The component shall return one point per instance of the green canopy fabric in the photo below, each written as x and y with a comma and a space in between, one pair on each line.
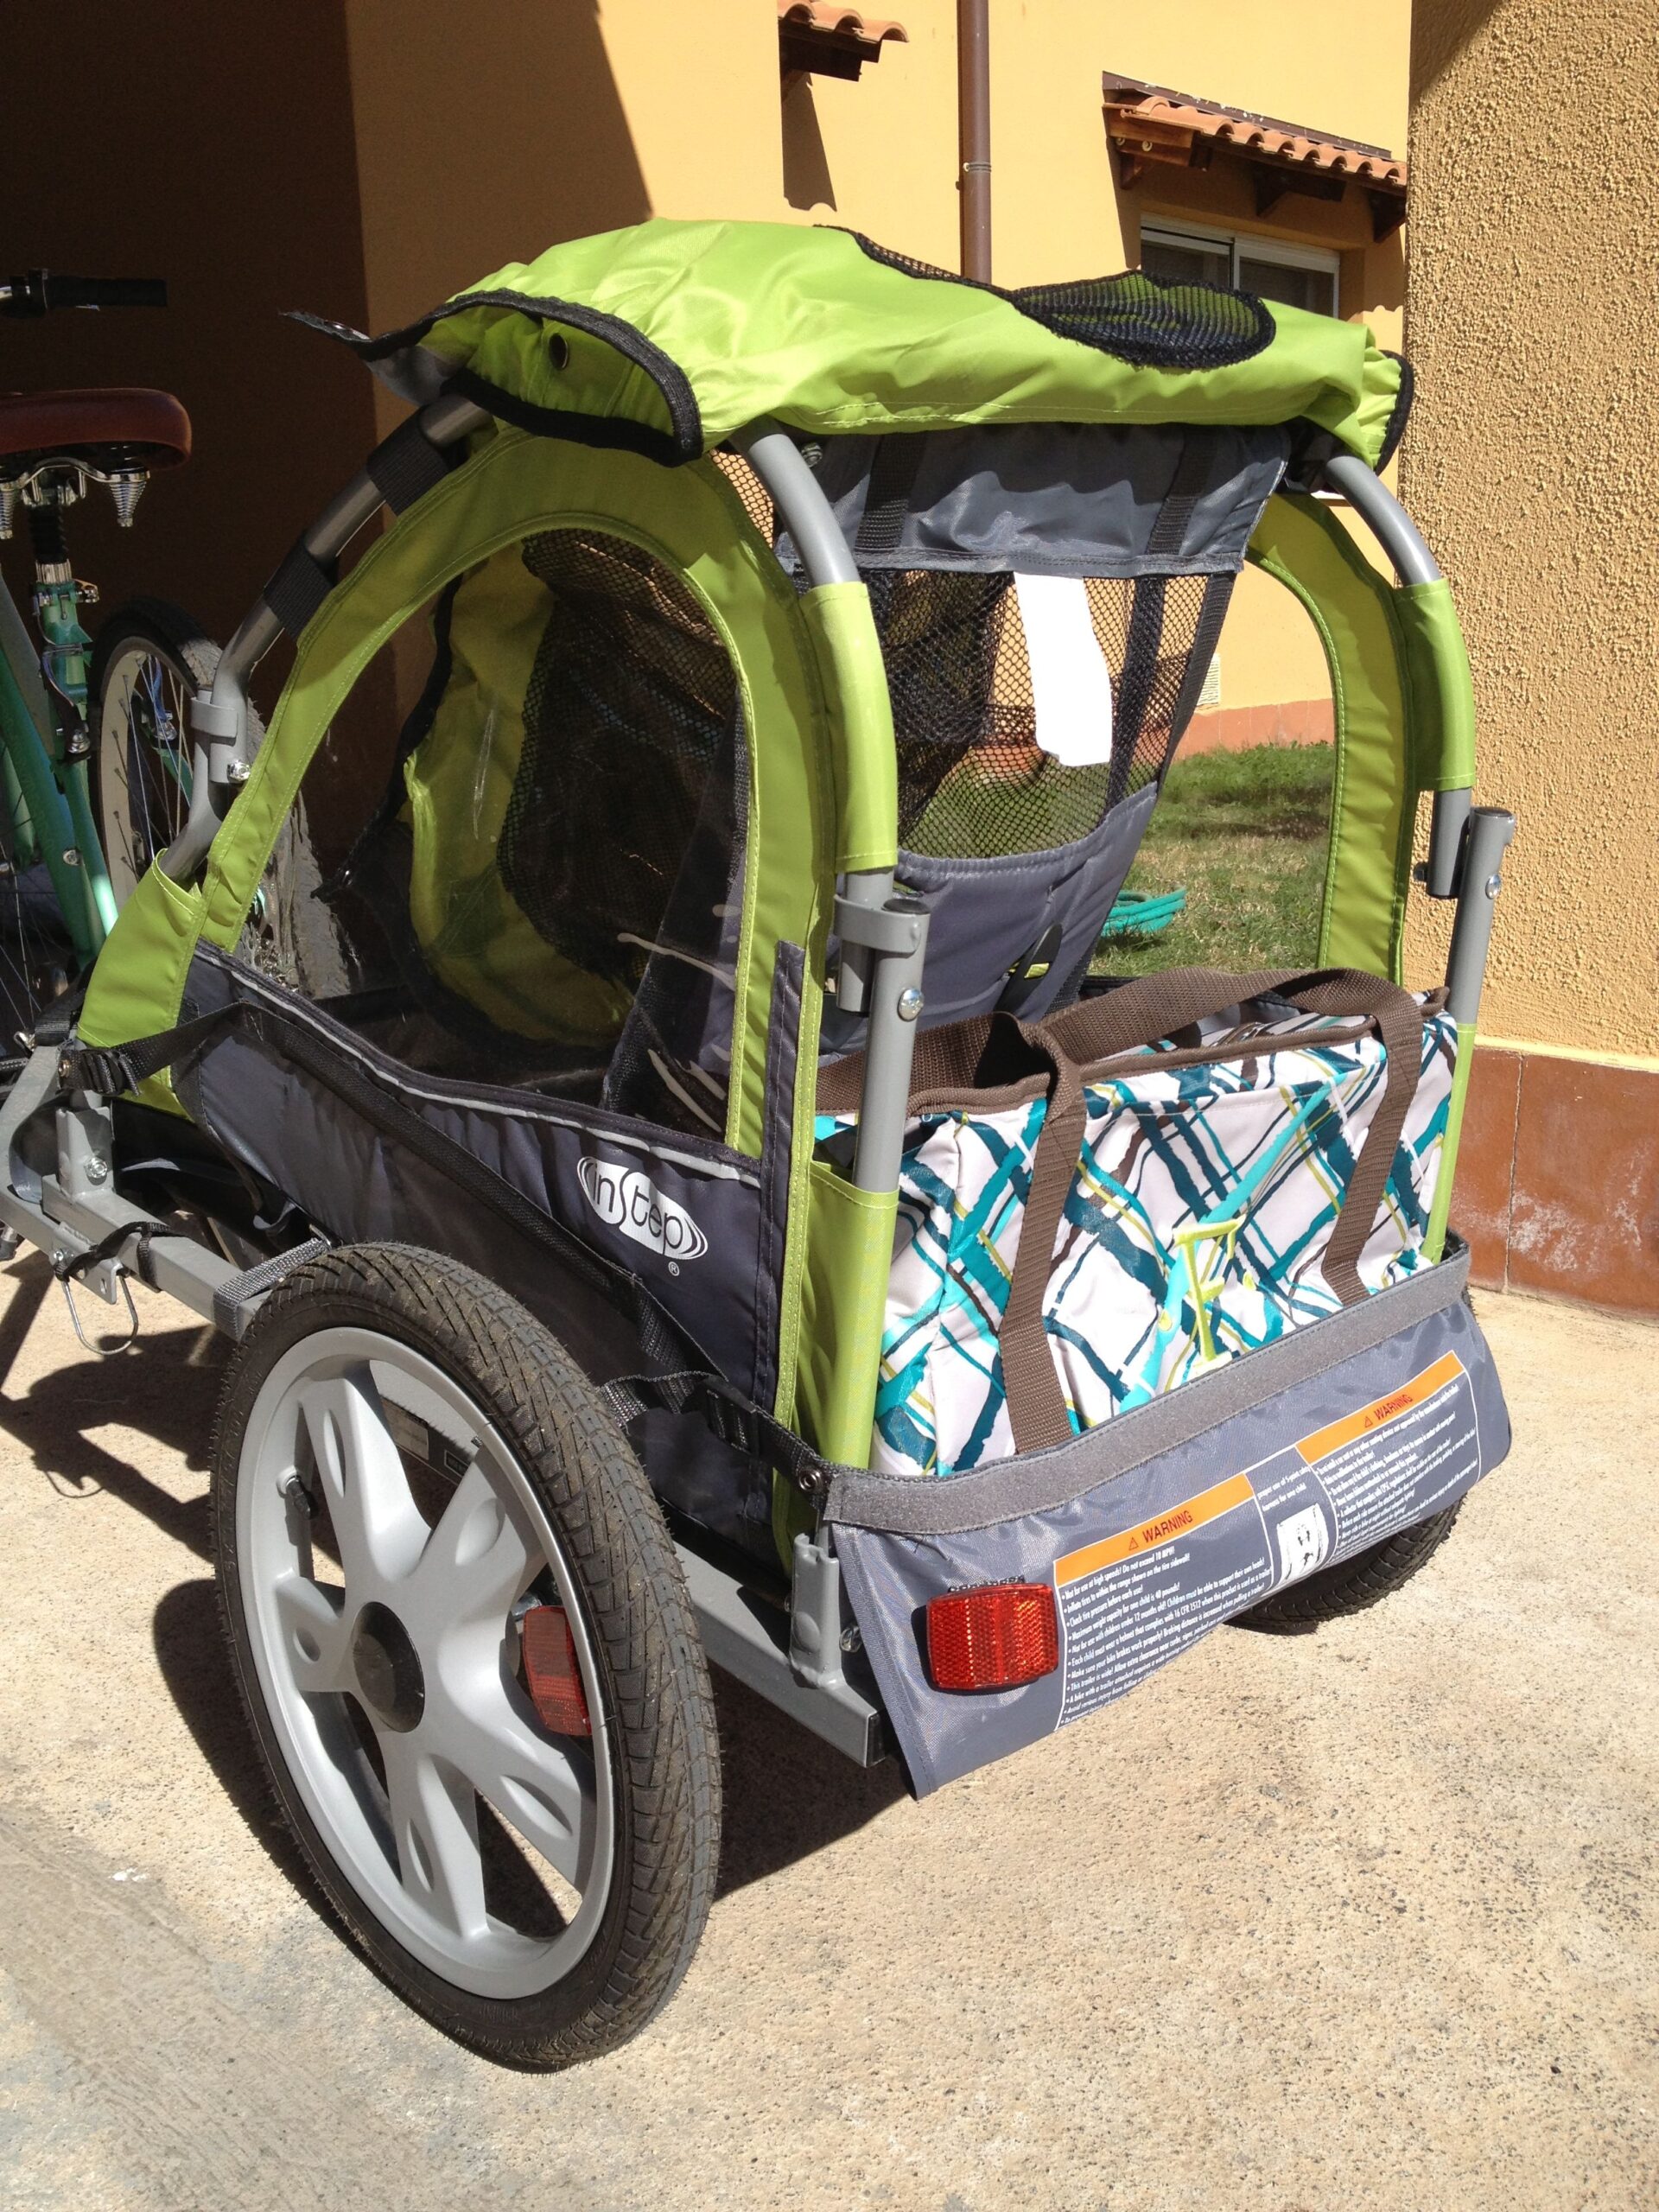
670, 336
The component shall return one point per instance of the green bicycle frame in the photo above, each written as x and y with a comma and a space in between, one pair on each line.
45, 792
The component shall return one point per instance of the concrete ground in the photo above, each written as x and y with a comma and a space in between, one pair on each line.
1364, 1918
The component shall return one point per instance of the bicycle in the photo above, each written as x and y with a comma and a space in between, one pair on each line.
94, 761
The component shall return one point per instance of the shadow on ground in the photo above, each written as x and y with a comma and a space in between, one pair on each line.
166, 1386
786, 1794
190, 1653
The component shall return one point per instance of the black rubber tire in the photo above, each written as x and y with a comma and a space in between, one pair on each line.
1352, 1584
662, 1741
173, 637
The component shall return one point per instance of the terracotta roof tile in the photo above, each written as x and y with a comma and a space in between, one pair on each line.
1153, 120
848, 22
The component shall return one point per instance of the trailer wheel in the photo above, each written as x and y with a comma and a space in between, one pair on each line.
1352, 1584
467, 1654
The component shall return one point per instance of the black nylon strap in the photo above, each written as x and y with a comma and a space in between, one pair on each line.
298, 588
1206, 636
406, 466
736, 1420
1187, 486
55, 1021
111, 1070
73, 1267
1142, 649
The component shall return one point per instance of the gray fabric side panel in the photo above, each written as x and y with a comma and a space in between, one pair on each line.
1039, 1480
1062, 499
684, 1218
1149, 1562
986, 914
349, 1179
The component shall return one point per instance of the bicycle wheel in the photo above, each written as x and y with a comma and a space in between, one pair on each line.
149, 660
467, 1654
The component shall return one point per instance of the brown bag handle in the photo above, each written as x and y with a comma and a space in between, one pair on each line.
1137, 1014
965, 1057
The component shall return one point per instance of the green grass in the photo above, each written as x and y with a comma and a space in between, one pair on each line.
1243, 834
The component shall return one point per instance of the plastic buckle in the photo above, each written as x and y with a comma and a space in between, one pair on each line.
733, 1422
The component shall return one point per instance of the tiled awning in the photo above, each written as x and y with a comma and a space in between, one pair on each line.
1151, 123
817, 38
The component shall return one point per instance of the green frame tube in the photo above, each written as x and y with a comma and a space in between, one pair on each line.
59, 822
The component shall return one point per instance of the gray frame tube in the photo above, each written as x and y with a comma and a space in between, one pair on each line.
1490, 829
1466, 842
1400, 539
1388, 521
883, 933
798, 497
219, 718
826, 558
883, 936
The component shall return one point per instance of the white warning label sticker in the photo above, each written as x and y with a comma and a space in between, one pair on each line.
1135, 1599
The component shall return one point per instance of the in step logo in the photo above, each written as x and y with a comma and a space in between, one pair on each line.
629, 1201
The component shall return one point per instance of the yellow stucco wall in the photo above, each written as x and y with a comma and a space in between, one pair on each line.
544, 123
1530, 466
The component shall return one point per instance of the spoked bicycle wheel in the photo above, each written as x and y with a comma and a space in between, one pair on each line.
149, 660
467, 1654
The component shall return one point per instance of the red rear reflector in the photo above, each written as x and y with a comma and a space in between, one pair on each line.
551, 1675
993, 1638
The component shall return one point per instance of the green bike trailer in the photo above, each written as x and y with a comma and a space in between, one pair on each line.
691, 981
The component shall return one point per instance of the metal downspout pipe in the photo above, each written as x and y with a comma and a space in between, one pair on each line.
974, 135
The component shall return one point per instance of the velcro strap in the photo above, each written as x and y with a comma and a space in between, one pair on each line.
230, 1297
298, 588
406, 466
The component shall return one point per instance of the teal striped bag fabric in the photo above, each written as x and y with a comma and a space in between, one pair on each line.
1211, 1173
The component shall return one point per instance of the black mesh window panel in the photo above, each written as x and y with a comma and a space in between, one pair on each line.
613, 831
1133, 316
622, 841
973, 782
757, 501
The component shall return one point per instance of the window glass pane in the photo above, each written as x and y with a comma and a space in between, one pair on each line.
1186, 261
1313, 289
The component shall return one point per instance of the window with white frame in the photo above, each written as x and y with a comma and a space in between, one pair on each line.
1294, 276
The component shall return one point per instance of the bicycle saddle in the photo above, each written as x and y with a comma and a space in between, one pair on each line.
145, 430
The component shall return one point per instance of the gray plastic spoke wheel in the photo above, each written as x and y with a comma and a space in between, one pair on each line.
419, 1636
405, 1463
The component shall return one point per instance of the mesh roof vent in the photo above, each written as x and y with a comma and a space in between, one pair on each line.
1136, 318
